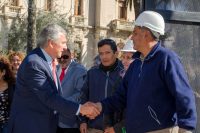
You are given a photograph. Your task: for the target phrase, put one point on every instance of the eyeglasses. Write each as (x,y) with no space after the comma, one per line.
(64,57)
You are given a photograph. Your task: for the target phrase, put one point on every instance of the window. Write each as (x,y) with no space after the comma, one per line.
(78,7)
(178,10)
(122,10)
(178,5)
(48,5)
(14,2)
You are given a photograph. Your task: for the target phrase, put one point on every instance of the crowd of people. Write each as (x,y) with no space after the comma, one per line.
(145,91)
(8,70)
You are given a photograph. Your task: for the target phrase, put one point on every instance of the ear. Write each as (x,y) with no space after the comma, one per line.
(146,33)
(4,72)
(116,53)
(50,43)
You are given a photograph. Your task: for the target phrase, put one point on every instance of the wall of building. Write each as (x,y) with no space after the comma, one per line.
(95,23)
(107,12)
(90,12)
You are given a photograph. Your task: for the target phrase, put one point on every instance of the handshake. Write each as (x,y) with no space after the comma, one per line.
(90,109)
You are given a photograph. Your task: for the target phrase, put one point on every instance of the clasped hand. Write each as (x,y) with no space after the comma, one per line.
(90,109)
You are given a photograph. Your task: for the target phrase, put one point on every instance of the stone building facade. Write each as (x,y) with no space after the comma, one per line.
(89,21)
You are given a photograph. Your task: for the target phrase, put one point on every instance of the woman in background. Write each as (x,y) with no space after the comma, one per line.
(7,82)
(15,59)
(127,55)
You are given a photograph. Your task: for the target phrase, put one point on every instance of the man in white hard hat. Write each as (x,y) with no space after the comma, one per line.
(127,54)
(155,89)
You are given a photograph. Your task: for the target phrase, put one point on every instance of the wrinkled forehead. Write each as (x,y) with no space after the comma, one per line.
(137,28)
(140,27)
(105,47)
(16,57)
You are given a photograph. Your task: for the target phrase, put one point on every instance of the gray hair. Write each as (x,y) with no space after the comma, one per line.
(154,34)
(50,32)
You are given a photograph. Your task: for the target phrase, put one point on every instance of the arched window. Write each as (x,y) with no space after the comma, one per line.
(78,10)
(122,9)
(48,5)
(14,3)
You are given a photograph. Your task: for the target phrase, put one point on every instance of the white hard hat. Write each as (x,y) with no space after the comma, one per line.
(152,20)
(128,47)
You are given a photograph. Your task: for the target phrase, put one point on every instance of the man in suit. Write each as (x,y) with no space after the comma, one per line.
(72,76)
(37,101)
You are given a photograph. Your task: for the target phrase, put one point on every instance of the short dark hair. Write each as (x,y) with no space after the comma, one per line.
(68,50)
(109,42)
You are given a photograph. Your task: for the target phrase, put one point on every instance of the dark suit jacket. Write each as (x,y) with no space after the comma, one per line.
(71,88)
(36,100)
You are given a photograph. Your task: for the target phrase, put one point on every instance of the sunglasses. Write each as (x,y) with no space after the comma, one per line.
(64,57)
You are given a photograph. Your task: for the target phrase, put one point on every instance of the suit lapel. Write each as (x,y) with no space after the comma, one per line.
(59,70)
(69,71)
(59,84)
(44,61)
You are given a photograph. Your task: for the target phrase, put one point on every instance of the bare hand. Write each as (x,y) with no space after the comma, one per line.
(99,106)
(109,130)
(83,128)
(90,110)
(181,130)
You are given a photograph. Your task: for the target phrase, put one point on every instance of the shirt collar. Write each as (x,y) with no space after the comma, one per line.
(151,53)
(47,56)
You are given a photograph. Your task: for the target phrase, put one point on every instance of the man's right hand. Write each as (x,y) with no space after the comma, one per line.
(83,128)
(89,109)
(99,106)
(109,130)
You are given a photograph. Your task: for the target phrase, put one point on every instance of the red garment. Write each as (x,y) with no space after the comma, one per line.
(62,74)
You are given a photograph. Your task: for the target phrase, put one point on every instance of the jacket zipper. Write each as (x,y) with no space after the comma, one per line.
(141,68)
(146,59)
(106,85)
(106,88)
